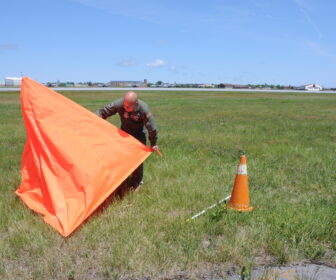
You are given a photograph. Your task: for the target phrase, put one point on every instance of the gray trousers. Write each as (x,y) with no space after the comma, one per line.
(137,174)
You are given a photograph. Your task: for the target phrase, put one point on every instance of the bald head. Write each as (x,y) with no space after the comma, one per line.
(130,101)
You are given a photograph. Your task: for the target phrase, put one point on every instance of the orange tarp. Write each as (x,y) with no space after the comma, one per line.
(72,160)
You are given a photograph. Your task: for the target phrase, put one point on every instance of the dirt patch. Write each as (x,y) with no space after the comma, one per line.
(294,272)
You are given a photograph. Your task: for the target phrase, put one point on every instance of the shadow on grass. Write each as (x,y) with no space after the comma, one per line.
(119,194)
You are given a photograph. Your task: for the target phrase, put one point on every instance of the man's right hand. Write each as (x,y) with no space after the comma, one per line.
(156,149)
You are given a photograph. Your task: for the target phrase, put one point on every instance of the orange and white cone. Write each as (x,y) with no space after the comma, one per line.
(240,195)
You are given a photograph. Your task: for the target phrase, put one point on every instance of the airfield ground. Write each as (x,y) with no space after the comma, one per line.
(290,143)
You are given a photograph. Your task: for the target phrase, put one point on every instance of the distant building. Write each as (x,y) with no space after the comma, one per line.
(166,85)
(288,87)
(127,83)
(240,86)
(99,85)
(311,87)
(12,82)
(68,84)
(206,86)
(51,84)
(229,86)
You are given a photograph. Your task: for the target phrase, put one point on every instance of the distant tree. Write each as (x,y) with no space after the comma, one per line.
(159,83)
(90,84)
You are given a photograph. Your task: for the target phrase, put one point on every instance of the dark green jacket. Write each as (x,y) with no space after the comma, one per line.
(135,122)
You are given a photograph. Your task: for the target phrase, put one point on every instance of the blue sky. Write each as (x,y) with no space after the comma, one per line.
(237,41)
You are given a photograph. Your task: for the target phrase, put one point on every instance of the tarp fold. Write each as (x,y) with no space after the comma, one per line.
(72,160)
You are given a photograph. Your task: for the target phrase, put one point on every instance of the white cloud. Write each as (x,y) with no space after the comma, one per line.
(170,15)
(8,46)
(303,4)
(160,43)
(156,63)
(128,62)
(320,51)
(127,8)
(303,7)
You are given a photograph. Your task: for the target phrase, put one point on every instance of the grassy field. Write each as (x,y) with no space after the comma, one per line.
(290,142)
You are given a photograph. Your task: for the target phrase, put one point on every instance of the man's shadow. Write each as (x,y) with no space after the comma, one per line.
(119,194)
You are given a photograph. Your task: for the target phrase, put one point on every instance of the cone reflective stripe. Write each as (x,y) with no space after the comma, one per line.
(240,195)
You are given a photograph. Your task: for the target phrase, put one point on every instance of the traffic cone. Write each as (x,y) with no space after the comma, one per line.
(240,195)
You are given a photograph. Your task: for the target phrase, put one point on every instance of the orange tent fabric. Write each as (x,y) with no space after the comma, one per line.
(72,160)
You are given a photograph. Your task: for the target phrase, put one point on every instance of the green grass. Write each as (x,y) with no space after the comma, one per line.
(290,142)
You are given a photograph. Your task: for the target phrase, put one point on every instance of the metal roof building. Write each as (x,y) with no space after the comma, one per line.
(12,81)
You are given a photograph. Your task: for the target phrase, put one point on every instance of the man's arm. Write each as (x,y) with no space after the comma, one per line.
(108,110)
(151,127)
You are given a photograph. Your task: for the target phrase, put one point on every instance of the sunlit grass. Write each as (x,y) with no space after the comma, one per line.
(290,142)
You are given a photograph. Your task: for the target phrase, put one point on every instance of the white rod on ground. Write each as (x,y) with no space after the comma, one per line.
(212,206)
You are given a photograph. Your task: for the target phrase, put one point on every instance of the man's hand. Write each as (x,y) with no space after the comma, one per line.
(156,149)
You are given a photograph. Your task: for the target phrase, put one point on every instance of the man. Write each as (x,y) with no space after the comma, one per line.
(135,116)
